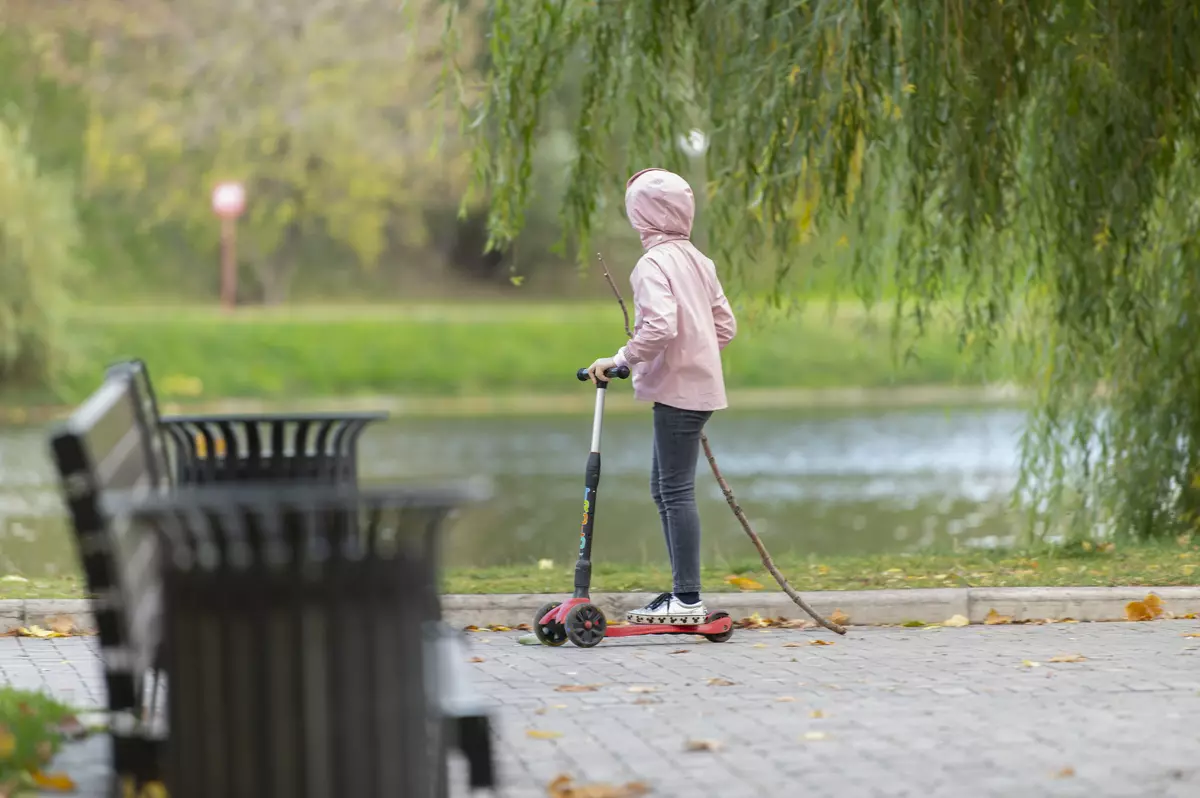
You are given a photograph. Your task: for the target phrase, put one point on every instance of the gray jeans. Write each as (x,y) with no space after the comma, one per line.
(673,488)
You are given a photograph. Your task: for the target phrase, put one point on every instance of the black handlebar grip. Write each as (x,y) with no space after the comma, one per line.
(618,372)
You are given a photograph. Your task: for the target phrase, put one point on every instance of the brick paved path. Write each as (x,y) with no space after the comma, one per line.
(946,712)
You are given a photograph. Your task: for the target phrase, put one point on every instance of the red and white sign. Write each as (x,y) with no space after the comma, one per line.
(229,200)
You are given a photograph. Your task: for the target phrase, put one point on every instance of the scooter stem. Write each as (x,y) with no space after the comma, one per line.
(583,566)
(598,418)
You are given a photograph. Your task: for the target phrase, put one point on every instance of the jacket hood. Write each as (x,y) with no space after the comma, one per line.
(660,206)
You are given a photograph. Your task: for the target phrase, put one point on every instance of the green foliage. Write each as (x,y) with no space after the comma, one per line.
(31,732)
(1041,153)
(38,236)
(324,111)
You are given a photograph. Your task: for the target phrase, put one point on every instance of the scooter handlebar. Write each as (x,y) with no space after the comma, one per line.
(619,372)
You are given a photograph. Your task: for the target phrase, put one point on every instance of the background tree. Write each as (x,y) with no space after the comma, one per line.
(1041,155)
(327,110)
(39,234)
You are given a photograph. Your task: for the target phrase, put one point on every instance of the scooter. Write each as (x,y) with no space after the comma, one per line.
(577,619)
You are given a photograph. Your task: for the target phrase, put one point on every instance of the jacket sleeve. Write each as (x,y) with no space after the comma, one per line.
(723,320)
(658,314)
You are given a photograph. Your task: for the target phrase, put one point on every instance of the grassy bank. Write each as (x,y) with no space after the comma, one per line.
(1150,565)
(199,355)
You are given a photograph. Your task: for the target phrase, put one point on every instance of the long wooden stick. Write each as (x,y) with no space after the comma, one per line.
(730,499)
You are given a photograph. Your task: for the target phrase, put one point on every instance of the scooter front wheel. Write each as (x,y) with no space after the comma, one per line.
(550,634)
(585,625)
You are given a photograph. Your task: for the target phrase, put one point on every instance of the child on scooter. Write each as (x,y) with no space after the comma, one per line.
(682,323)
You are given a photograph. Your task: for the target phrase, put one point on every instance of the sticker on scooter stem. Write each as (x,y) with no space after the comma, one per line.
(587,505)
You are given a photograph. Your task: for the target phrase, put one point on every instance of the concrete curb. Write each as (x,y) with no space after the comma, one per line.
(15,613)
(863,607)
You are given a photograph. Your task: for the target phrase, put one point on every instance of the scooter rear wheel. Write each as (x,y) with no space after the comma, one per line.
(550,634)
(721,637)
(585,625)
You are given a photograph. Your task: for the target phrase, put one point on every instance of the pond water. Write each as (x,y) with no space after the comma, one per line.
(811,482)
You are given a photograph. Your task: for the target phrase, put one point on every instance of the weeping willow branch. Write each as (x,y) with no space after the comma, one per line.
(1028,169)
(738,513)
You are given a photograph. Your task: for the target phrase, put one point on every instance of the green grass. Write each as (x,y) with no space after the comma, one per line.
(464,350)
(1151,565)
(30,734)
(1047,567)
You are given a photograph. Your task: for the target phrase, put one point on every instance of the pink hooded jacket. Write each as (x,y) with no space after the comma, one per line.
(683,319)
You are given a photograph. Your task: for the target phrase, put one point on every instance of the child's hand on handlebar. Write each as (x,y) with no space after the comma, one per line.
(597,369)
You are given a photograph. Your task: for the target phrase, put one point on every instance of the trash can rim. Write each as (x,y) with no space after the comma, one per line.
(314,496)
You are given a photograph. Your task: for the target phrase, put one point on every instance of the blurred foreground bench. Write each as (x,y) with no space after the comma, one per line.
(119,477)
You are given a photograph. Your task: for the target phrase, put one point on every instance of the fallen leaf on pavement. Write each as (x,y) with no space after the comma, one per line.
(820,642)
(701,745)
(477,659)
(759,645)
(785,699)
(577,688)
(524,627)
(37,631)
(542,734)
(59,782)
(956,620)
(681,651)
(1028,663)
(471,628)
(913,624)
(1068,658)
(816,713)
(498,627)
(564,787)
(795,623)
(839,617)
(1192,634)
(755,621)
(742,583)
(642,688)
(63,624)
(993,618)
(794,645)
(1138,611)
(719,682)
(1065,773)
(1147,609)
(815,735)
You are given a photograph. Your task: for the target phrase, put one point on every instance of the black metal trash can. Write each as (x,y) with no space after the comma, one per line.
(294,643)
(267,448)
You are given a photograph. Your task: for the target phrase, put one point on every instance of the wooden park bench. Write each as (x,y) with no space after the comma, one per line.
(113,452)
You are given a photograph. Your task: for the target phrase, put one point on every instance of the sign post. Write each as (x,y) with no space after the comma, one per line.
(228,202)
